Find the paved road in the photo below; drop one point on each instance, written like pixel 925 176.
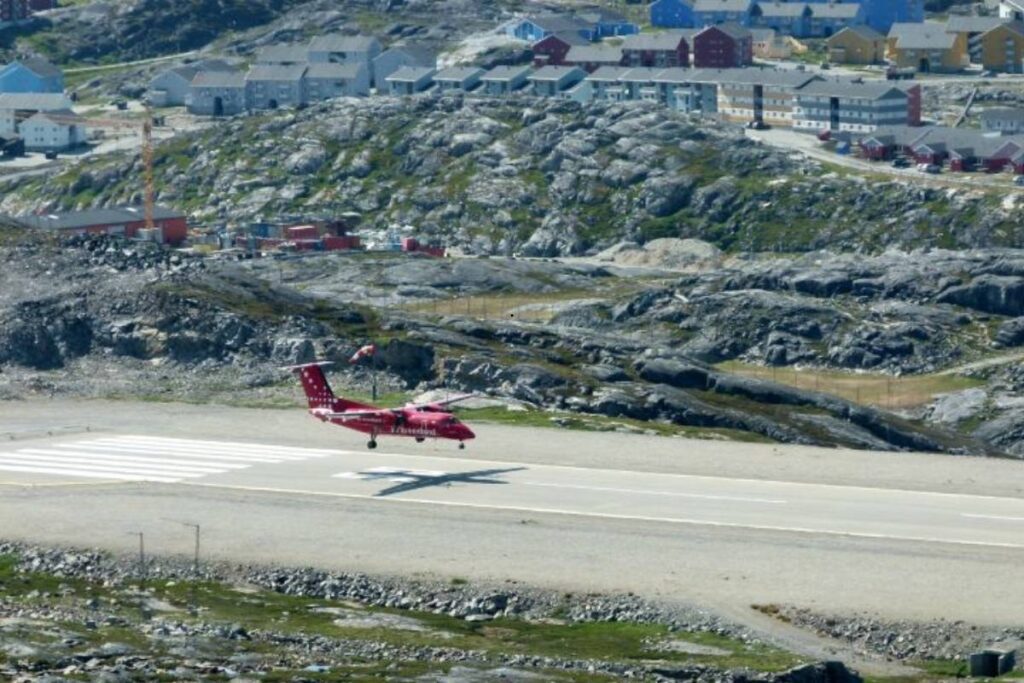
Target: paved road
pixel 725 525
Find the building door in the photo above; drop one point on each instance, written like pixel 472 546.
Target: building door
pixel 759 103
pixel 924 66
pixel 218 106
pixel 272 103
pixel 833 113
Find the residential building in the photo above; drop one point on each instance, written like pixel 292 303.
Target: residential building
pixel 724 46
pixel 409 80
pixel 828 18
pixel 852 106
pixel 857 45
pixel 887 142
pixel 687 90
pixel 269 86
pixel 882 14
pixel 1002 48
pixel 663 49
pixel 553 49
pixel 926 47
pixel 283 55
pixel 606 84
pixel 1011 9
pixel 18 107
pixel 397 56
pixel 171 226
pixel 607 22
pixel 551 81
pixel 1002 120
pixel 53 131
pixel 536 28
pixel 344 49
pixel 326 80
pixel 456 79
pixel 671 14
pixel 13 11
pixel 764 95
pixel 638 83
pixel 972 29
pixel 505 80
pixel 31 75
pixel 712 12
pixel 171 88
pixel 592 57
pixel 217 93
pixel 790 18
pixel 768 44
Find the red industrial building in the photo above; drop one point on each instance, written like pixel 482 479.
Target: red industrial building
pixel 171 226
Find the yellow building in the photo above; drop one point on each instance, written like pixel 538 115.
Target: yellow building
pixel 927 47
pixel 856 45
pixel 1002 48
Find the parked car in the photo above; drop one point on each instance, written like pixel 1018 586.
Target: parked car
pixel 757 124
pixel 1018 180
pixel 929 168
pixel 825 66
pixel 900 162
pixel 51 155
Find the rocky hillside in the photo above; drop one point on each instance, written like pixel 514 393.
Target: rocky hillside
pixel 552 178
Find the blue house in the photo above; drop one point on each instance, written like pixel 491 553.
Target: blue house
pixel 787 18
pixel 607 22
pixel 878 14
pixel 536 28
pixel 714 12
pixel 32 76
pixel 672 14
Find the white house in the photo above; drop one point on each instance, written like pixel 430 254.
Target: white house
pixel 392 59
pixel 16 108
pixel 325 80
pixel 1011 9
pixel 172 87
pixel 1005 121
pixel 343 49
pixel 409 80
pixel 53 130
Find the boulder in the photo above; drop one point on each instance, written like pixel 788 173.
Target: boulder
pixel 673 373
pixel 1003 295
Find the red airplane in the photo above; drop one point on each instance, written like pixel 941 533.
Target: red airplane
pixel 418 420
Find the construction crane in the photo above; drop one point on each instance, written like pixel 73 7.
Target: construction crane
pixel 143 126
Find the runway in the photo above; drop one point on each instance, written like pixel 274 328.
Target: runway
pixel 487 485
pixel 717 524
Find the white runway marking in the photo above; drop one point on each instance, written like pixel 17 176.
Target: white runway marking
pixel 674 494
pixel 999 517
pixel 141 458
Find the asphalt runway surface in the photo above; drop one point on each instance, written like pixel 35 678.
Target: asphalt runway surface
pixel 711 523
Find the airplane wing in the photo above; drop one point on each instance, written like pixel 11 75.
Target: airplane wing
pixel 445 402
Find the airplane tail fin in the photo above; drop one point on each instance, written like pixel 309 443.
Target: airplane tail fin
pixel 318 392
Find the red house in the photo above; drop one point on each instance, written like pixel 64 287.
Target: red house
pixel 171 226
pixel 553 49
pixel 726 46
pixel 663 50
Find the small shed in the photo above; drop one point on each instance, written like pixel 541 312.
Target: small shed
pixel 505 80
pixel 409 80
pixel 551 81
pixel 458 78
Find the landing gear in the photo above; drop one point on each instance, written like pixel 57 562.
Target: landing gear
pixel 462 446
pixel 372 443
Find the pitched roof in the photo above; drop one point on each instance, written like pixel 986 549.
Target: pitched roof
pixel 734 31
pixel 282 54
pixel 851 89
pixel 458 73
pixel 782 9
pixel 1014 26
pixel 40 67
pixel 337 42
pixel 586 54
pixel 42 101
pixel 333 70
pixel 602 15
pixel 91 217
pixel 569 38
pixel 1003 114
pixel 960 24
pixel 606 74
pixel 558 23
pixel 836 10
pixel 722 5
pixel 862 30
pixel 663 40
pixel 555 73
pixel 64 117
pixel 411 74
pixel 276 72
pixel 506 73
pixel 921 37
pixel 218 79
pixel 419 53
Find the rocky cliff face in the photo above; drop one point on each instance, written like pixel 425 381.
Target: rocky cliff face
pixel 544 179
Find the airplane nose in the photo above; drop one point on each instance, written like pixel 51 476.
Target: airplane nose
pixel 466 433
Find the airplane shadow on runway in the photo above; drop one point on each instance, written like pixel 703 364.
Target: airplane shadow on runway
pixel 422 481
